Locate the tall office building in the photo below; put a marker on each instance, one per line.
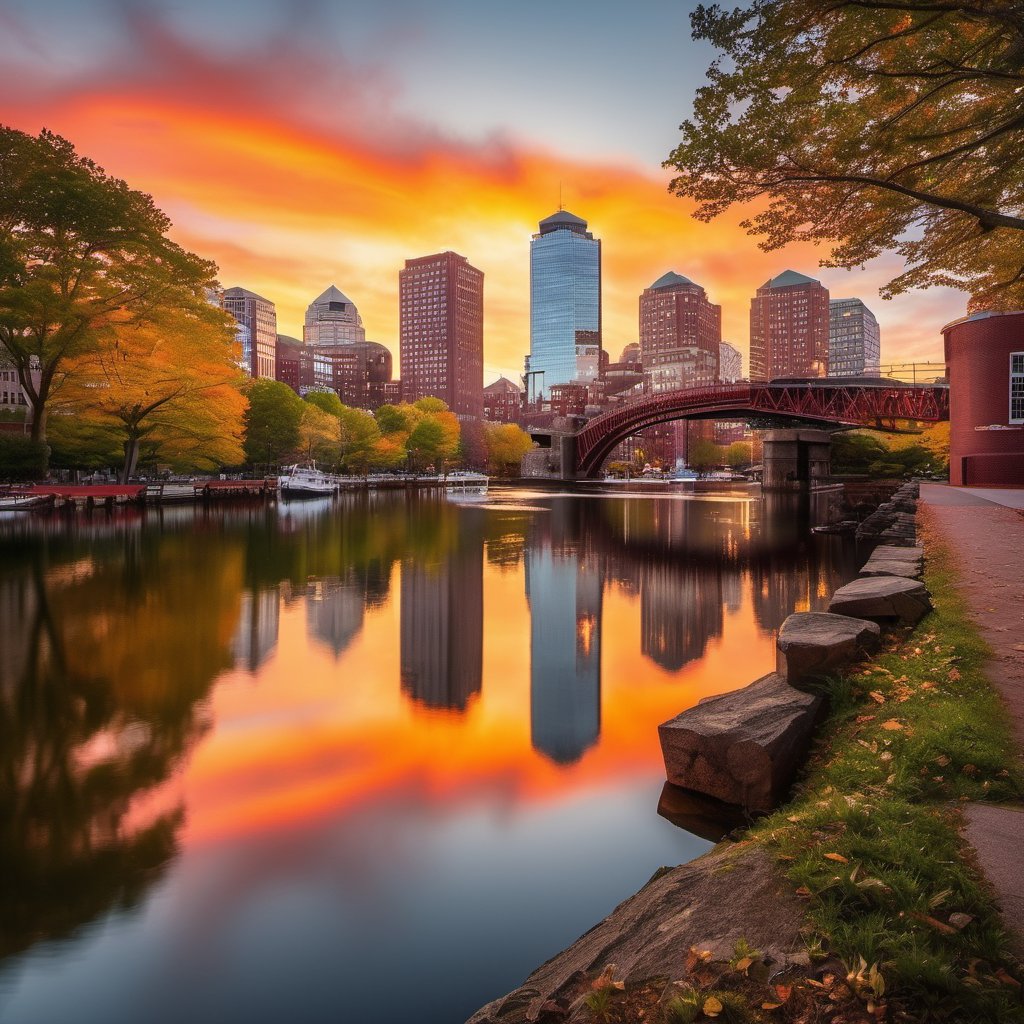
(332, 319)
(257, 333)
(441, 331)
(854, 341)
(730, 363)
(789, 324)
(565, 305)
(680, 334)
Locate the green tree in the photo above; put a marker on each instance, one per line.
(81, 256)
(272, 422)
(326, 401)
(704, 456)
(396, 419)
(738, 454)
(359, 436)
(21, 458)
(872, 125)
(318, 434)
(430, 404)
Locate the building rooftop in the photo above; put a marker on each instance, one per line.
(790, 277)
(670, 279)
(331, 294)
(242, 293)
(503, 384)
(563, 220)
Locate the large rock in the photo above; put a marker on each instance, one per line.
(742, 747)
(712, 903)
(813, 645)
(883, 599)
(890, 560)
(900, 553)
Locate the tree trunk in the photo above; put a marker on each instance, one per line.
(131, 458)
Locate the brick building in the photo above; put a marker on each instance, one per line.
(789, 328)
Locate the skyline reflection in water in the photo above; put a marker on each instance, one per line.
(257, 762)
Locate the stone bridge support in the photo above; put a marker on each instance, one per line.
(796, 460)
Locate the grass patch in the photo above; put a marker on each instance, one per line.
(871, 839)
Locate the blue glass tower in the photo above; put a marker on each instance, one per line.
(565, 304)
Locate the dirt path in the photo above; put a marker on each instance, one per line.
(988, 540)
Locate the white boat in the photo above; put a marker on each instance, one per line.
(305, 482)
(22, 502)
(466, 482)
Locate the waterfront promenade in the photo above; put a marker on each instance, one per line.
(985, 528)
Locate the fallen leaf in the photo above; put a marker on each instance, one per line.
(770, 1006)
(892, 725)
(837, 857)
(939, 926)
(942, 760)
(744, 964)
(953, 675)
(712, 1007)
(960, 921)
(783, 992)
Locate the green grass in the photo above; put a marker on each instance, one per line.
(907, 740)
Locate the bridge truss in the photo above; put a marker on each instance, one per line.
(879, 406)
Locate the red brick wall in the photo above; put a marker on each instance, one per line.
(978, 365)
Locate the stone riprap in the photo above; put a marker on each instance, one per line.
(712, 903)
(892, 560)
(742, 747)
(883, 599)
(813, 645)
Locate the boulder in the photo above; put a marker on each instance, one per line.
(813, 645)
(901, 553)
(732, 893)
(890, 567)
(883, 599)
(742, 747)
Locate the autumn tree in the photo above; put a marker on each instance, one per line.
(738, 454)
(272, 422)
(359, 435)
(318, 434)
(507, 443)
(166, 387)
(870, 125)
(82, 256)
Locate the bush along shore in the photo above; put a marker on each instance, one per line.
(856, 901)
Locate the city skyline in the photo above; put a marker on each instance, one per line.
(286, 191)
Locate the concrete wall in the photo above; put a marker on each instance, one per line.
(796, 460)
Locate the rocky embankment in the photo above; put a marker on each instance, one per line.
(743, 748)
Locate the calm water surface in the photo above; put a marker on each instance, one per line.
(371, 761)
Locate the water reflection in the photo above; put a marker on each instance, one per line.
(379, 723)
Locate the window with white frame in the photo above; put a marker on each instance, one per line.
(1017, 387)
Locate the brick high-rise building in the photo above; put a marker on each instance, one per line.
(257, 319)
(789, 328)
(441, 331)
(680, 334)
(854, 342)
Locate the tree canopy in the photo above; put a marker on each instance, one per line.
(272, 422)
(871, 125)
(82, 257)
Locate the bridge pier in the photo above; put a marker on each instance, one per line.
(796, 460)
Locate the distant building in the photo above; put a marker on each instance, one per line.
(565, 305)
(789, 328)
(730, 363)
(680, 334)
(256, 632)
(257, 319)
(503, 401)
(332, 319)
(854, 343)
(288, 363)
(441, 331)
(358, 372)
(12, 394)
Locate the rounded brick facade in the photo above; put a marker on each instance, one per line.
(986, 448)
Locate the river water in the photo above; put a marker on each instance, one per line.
(370, 761)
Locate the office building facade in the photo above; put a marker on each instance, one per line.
(565, 305)
(257, 333)
(680, 334)
(441, 332)
(730, 363)
(854, 340)
(789, 328)
(332, 319)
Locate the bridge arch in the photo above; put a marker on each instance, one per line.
(880, 406)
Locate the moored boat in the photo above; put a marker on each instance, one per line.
(305, 482)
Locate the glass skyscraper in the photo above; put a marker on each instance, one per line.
(565, 304)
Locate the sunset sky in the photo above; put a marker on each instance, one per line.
(306, 144)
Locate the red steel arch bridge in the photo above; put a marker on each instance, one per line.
(875, 403)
